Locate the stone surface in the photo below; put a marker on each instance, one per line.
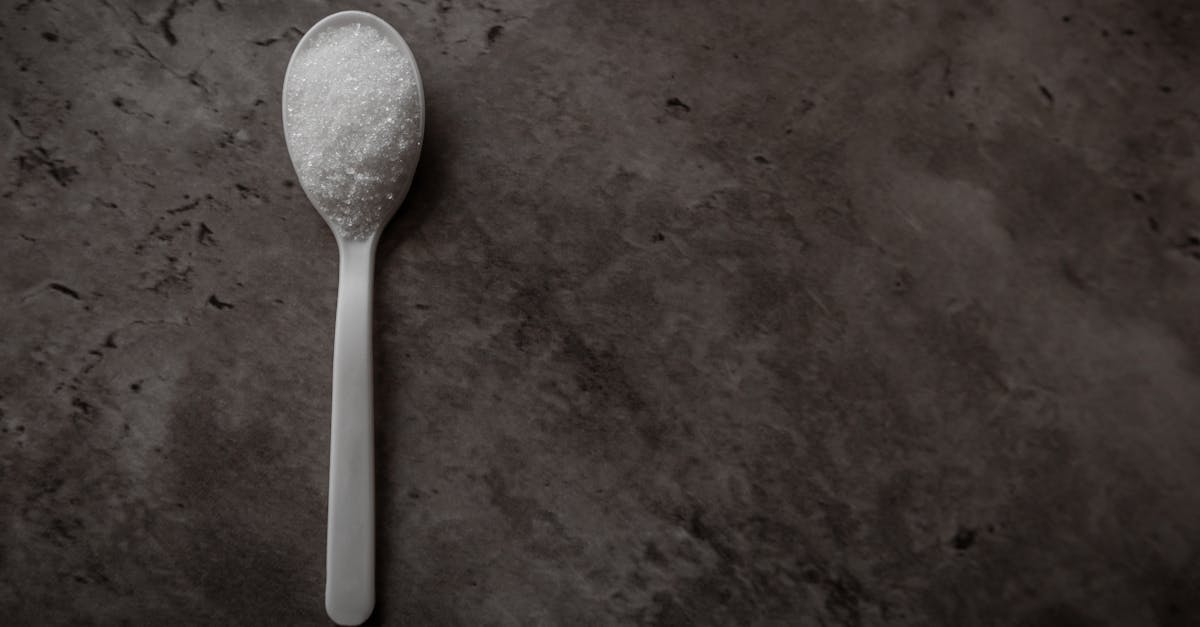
(777, 313)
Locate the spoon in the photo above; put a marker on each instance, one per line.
(354, 118)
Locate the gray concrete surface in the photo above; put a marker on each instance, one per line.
(712, 313)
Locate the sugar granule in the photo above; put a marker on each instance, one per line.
(353, 126)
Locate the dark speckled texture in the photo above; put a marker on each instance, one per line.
(708, 313)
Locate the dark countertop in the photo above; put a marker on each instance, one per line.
(799, 313)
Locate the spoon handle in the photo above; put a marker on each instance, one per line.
(350, 543)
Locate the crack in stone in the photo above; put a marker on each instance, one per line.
(164, 23)
(291, 31)
(192, 77)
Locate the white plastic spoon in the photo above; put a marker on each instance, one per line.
(355, 149)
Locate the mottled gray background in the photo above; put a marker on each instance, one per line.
(763, 313)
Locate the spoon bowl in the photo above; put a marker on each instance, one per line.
(400, 186)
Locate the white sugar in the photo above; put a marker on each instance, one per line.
(354, 125)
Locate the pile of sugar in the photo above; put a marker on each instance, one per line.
(353, 125)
